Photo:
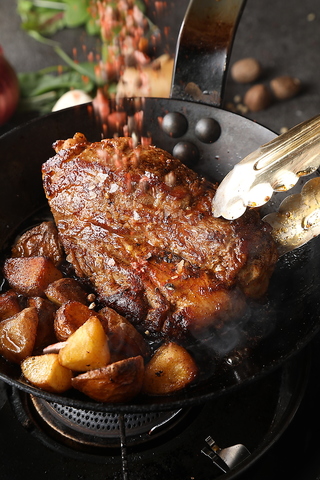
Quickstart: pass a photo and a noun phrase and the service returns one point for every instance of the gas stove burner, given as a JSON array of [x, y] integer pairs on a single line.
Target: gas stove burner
[[222, 438], [104, 428], [94, 433]]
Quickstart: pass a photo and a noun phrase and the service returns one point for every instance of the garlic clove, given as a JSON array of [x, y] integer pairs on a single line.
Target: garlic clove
[[71, 99]]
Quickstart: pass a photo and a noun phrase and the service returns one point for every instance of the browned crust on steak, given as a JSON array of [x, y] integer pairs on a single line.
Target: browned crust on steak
[[138, 223]]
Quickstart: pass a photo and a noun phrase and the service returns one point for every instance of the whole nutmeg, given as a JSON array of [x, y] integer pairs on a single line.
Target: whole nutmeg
[[247, 70], [258, 97], [285, 87]]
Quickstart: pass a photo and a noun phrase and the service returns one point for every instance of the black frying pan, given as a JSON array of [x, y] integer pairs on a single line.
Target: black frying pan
[[211, 140]]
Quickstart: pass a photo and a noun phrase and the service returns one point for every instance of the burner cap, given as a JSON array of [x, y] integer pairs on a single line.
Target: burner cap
[[104, 425]]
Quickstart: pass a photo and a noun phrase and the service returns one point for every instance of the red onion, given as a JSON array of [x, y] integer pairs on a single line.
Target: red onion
[[9, 89]]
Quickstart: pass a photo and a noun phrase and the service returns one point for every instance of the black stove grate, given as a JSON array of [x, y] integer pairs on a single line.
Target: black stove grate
[[255, 416]]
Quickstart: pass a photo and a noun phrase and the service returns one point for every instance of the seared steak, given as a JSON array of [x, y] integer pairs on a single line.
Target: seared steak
[[138, 224]]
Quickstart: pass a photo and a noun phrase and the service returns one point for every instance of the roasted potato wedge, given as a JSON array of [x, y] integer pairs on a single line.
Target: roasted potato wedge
[[18, 335], [30, 276], [46, 372], [9, 304], [46, 314], [69, 317], [40, 240], [87, 348], [124, 339], [170, 369], [64, 290], [115, 383]]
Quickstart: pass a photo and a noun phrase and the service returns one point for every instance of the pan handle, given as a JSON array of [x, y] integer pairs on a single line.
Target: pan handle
[[203, 48]]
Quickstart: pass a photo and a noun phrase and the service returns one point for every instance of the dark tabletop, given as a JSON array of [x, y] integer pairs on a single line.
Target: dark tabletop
[[283, 35]]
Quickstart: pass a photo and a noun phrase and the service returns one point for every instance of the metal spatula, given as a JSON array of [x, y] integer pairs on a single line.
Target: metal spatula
[[275, 166]]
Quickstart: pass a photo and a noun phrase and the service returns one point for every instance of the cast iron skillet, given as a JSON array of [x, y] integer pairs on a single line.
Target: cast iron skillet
[[211, 140]]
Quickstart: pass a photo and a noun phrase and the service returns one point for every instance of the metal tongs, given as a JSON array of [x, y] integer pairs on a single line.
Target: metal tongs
[[276, 167]]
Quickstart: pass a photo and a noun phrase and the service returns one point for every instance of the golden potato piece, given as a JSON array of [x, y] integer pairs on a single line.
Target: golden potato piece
[[40, 240], [170, 369], [30, 276], [46, 372], [124, 339], [87, 348], [9, 304], [18, 335], [115, 383], [64, 290], [46, 313], [69, 317]]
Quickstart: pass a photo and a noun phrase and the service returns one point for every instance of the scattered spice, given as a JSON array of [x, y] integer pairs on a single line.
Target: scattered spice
[[126, 39], [311, 17]]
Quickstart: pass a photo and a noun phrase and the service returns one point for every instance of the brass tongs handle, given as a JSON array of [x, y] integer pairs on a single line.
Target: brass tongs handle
[[298, 218], [275, 166]]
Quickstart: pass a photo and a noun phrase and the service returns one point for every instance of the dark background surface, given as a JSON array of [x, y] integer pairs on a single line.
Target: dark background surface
[[283, 35]]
